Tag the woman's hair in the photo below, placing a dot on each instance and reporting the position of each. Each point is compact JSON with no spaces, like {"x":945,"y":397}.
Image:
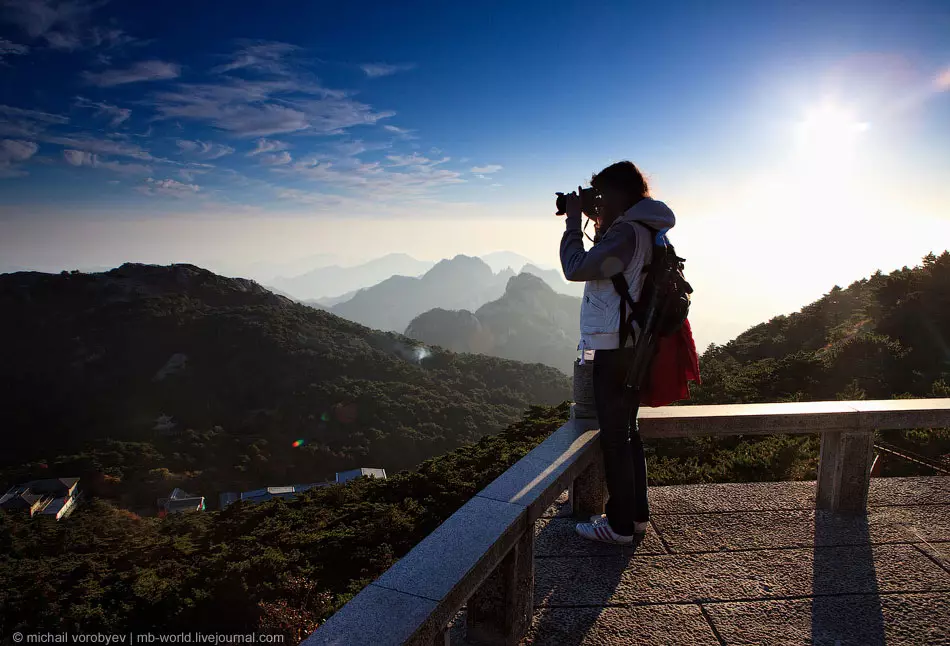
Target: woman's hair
{"x":624,"y":176}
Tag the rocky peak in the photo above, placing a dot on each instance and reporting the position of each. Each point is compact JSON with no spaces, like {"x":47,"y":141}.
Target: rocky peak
{"x":524,"y":283}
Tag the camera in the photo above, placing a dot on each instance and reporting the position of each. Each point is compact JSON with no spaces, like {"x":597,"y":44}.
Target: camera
{"x":590,"y":202}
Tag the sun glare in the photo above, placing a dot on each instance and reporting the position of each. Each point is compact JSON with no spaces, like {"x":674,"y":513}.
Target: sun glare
{"x":828,"y":134}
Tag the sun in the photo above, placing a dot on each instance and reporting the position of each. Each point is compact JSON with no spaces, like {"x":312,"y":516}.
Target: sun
{"x":829,"y":135}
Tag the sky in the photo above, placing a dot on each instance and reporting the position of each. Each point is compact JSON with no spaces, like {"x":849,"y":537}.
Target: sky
{"x":801,"y":145}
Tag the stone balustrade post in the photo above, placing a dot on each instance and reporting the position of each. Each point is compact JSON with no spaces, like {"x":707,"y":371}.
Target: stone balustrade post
{"x":583,"y":408}
{"x":844,"y":471}
{"x":499,"y":612}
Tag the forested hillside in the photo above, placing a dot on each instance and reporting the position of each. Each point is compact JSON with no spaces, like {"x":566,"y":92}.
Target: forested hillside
{"x":530,"y":322}
{"x":279,"y":567}
{"x":882,"y":336}
{"x":145,"y":378}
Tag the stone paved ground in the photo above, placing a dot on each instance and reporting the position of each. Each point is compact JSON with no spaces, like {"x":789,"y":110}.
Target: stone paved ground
{"x":753,"y":564}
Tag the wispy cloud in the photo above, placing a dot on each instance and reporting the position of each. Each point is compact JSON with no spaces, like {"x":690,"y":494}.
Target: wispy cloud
{"x":942,"y":81}
{"x":99,"y":146}
{"x":141,"y":71}
{"x":375,"y":70}
{"x":116,"y":114}
{"x":168,"y":187}
{"x":204,"y":149}
{"x":487,"y":170}
{"x":278,"y":159}
{"x":83,"y":158}
{"x":8,"y":48}
{"x":261,"y":56}
{"x":113,"y":38}
{"x":61,"y":23}
{"x":64,"y":24}
{"x":402,"y":133}
{"x":268,"y":146}
{"x":402,"y":176}
{"x":17,"y":122}
{"x":263,"y":108}
{"x":34,"y":115}
{"x":12,"y":152}
{"x":415,"y":159}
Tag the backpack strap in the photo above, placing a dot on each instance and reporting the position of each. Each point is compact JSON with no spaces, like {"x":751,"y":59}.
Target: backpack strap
{"x":626,"y":322}
{"x":636,"y":308}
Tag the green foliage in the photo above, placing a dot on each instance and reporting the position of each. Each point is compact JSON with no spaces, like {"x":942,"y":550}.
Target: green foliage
{"x":237,"y":375}
{"x":879,"y":336}
{"x":279,"y":566}
{"x":262,"y":372}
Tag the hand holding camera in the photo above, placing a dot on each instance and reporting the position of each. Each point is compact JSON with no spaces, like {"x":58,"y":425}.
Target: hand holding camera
{"x":584,"y":200}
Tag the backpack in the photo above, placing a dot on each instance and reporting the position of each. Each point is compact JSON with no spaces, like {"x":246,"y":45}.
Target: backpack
{"x":662,"y":308}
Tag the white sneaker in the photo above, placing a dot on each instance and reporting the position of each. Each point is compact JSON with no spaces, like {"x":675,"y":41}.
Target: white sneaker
{"x":638,"y":528}
{"x":602,"y":533}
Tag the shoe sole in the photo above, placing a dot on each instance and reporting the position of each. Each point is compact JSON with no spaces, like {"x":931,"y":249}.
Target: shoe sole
{"x":597,"y":518}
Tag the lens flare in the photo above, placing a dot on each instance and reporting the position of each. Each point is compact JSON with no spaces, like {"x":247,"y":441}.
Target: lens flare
{"x":297,"y":443}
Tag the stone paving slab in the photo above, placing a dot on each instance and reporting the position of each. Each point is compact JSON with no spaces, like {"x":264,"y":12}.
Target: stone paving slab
{"x":939,"y":552}
{"x":740,"y":496}
{"x":751,"y":496}
{"x":860,"y":620}
{"x":800,"y":528}
{"x":556,"y":537}
{"x":620,"y":626}
{"x":735,"y":576}
{"x":909,"y":491}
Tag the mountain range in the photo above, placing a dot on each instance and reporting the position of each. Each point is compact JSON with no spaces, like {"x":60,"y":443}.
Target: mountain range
{"x":148,"y":377}
{"x":335,"y":279}
{"x":463,"y":282}
{"x":283,"y":567}
{"x":530,"y":322}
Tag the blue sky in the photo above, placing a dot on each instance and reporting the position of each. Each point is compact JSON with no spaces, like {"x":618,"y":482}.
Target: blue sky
{"x":244,"y":131}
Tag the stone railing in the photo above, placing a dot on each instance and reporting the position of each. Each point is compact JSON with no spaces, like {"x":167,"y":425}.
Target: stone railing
{"x":483,"y":555}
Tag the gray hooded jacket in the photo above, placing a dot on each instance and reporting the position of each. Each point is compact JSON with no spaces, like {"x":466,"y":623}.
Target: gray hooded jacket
{"x":625,"y":247}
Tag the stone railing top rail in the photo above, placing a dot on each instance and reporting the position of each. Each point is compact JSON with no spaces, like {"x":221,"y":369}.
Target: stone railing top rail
{"x":413,"y":601}
{"x":792,"y":417}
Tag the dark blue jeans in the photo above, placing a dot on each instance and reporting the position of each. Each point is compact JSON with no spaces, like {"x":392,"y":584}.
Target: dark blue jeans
{"x":625,"y":465}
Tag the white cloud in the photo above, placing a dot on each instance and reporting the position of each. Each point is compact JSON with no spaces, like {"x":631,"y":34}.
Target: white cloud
{"x":374,"y":70}
{"x":140,"y":71}
{"x":12,"y":152}
{"x":8,"y":48}
{"x":112,"y":38}
{"x":100,"y":146}
{"x":60,"y":23}
{"x":26,"y":124}
{"x":276,"y":160}
{"x":116,"y":114}
{"x":169,"y":187}
{"x":83,"y":158}
{"x":261,"y":56}
{"x":402,"y":133}
{"x":415,"y":159}
{"x":34,"y":115}
{"x":204,"y":149}
{"x":487,"y":170}
{"x":403,"y":176}
{"x":78,"y":158}
{"x":263,"y":108}
{"x":268,"y":146}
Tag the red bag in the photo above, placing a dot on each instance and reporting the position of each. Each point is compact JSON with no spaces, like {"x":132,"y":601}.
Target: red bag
{"x":674,"y":365}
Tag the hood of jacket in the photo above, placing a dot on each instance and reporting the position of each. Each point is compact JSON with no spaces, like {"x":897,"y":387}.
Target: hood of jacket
{"x":652,"y":213}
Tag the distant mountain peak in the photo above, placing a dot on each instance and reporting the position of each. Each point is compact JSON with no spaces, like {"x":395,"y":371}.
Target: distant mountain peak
{"x":498,"y":260}
{"x":459,"y":263}
{"x":527,"y":283}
